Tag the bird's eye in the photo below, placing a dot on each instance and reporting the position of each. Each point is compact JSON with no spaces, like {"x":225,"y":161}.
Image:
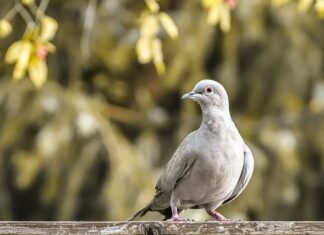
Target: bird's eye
{"x":209,"y":90}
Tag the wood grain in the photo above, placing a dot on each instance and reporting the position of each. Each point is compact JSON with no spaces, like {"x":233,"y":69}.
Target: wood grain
{"x":157,"y":227}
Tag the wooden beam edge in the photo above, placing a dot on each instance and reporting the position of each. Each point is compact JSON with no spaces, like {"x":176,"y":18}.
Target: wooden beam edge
{"x":159,"y":227}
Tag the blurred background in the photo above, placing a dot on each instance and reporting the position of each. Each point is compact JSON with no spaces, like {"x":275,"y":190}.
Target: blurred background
{"x":90,"y":143}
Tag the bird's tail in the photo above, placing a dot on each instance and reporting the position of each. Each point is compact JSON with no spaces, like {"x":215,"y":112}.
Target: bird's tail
{"x":141,"y":212}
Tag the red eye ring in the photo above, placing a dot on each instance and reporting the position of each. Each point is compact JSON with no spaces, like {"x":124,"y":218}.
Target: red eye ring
{"x":209,"y":90}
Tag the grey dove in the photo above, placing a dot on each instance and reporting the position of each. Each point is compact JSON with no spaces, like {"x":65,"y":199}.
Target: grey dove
{"x":211,"y":166}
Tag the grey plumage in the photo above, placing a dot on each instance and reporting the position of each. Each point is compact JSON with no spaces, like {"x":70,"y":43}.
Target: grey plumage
{"x":212,"y":165}
{"x":245,"y":176}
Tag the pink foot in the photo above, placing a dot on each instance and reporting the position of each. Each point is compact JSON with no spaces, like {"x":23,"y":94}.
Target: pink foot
{"x":217,"y":216}
{"x":175,"y":215}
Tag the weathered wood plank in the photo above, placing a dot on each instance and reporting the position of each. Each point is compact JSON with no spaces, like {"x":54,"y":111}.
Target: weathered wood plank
{"x":157,"y":227}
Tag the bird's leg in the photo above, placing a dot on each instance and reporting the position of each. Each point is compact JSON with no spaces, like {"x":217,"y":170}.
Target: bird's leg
{"x":215,"y":215}
{"x":174,"y":210}
{"x":175,"y":215}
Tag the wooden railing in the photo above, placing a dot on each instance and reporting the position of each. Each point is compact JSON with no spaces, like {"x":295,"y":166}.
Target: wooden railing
{"x":157,"y":227}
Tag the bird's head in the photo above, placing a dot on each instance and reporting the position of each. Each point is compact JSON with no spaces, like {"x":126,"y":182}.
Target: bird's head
{"x":209,"y":94}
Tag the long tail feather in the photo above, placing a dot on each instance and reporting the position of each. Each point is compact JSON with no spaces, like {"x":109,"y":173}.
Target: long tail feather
{"x":141,"y":212}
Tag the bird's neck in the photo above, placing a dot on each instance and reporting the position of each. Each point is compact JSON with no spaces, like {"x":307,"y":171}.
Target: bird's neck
{"x":213,"y":114}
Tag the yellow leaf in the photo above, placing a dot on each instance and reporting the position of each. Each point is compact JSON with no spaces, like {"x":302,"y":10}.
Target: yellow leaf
{"x":168,"y":25}
{"x":152,"y":5}
{"x":48,"y":29}
{"x":19,"y":72}
{"x":37,"y":71}
{"x":304,"y":5}
{"x":14,"y":51}
{"x":49,"y":46}
{"x":213,"y":16}
{"x":319,"y":6}
{"x":225,"y":20}
{"x":211,"y":3}
{"x":208,"y":3}
{"x":24,"y":53}
{"x":19,"y":53}
{"x":144,"y":50}
{"x":22,"y":60}
{"x":26,"y":2}
{"x":5,"y":28}
{"x":158,"y":56}
{"x":278,"y":3}
{"x":149,"y":26}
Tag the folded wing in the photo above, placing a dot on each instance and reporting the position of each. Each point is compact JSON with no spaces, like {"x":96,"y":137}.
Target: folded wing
{"x":245,"y":176}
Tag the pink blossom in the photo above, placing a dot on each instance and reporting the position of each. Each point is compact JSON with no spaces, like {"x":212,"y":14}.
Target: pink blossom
{"x":231,"y":3}
{"x":42,"y":52}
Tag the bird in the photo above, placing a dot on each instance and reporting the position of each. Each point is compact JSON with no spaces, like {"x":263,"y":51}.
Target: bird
{"x":212,"y":165}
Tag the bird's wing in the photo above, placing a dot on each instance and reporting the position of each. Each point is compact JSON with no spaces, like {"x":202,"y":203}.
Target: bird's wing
{"x":245,"y":176}
{"x":177,"y":168}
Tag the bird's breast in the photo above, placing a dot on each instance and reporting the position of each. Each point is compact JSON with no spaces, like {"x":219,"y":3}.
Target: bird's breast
{"x":220,"y":163}
{"x":218,"y":148}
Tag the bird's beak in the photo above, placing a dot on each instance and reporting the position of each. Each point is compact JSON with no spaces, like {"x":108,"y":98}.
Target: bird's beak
{"x":188,"y":95}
